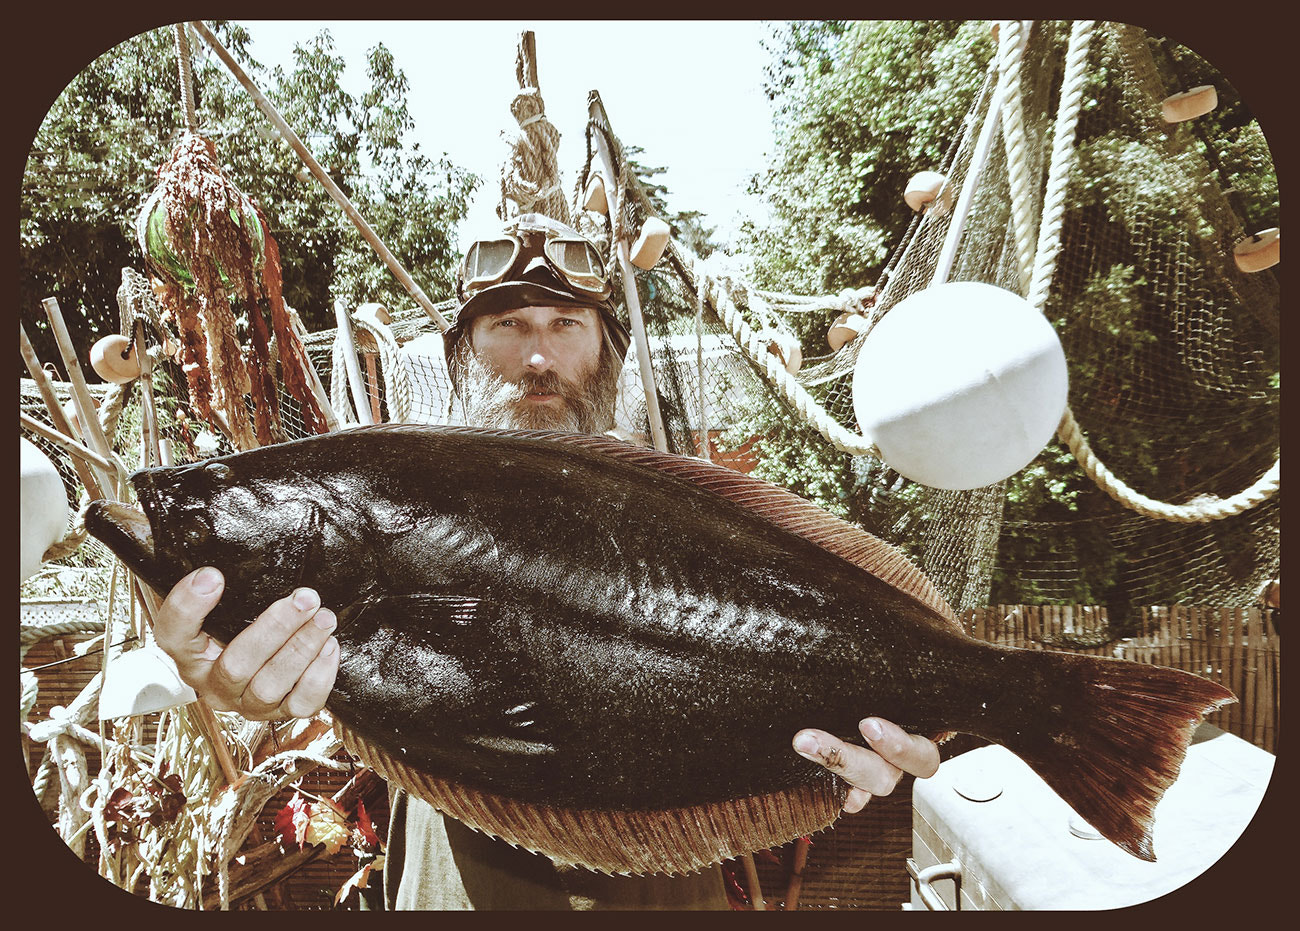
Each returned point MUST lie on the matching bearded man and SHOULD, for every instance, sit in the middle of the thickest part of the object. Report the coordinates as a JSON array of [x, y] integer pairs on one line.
[[536, 346]]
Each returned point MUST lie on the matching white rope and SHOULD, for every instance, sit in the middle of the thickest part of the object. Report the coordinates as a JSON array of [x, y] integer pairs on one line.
[[1200, 510], [1013, 36], [783, 381]]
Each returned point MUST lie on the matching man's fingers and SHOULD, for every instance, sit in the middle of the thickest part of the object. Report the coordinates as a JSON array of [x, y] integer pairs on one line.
[[258, 643], [858, 766], [911, 753], [856, 800], [315, 684], [177, 628], [277, 678]]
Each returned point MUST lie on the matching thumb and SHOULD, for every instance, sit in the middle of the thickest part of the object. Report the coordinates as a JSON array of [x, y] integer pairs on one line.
[[178, 625]]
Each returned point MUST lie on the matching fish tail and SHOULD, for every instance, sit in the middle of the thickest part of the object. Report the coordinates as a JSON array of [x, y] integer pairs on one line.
[[1111, 737]]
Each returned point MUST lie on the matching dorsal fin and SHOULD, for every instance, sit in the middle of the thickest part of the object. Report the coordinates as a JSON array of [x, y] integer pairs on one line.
[[777, 505]]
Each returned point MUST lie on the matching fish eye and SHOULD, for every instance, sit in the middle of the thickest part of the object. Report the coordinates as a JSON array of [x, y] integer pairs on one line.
[[218, 470]]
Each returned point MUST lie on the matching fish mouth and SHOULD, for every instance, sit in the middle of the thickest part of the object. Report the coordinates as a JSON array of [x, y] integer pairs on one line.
[[124, 530]]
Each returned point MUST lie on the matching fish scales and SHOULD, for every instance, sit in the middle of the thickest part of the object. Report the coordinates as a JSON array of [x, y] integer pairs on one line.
[[538, 628]]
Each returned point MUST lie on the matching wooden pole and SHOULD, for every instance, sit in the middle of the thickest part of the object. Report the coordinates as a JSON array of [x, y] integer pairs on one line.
[[751, 880], [65, 443], [350, 363], [322, 176], [796, 873], [149, 427], [85, 405], [55, 410], [596, 112]]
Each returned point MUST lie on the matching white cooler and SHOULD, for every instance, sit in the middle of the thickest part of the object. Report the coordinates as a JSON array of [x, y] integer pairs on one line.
[[1018, 850]]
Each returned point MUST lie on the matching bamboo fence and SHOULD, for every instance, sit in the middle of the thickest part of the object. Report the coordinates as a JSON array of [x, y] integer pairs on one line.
[[1237, 647]]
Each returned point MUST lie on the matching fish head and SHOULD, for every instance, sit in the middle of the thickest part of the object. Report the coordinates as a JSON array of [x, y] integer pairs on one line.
[[257, 527]]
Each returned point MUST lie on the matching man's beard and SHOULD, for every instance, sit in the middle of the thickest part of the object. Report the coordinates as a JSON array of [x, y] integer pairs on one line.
[[492, 402]]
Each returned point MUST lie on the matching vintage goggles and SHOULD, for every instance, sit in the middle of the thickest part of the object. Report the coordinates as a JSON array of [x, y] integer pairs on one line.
[[572, 258]]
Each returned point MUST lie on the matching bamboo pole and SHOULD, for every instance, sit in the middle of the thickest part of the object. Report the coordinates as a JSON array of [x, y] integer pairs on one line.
[[149, 426], [1235, 677], [90, 428], [65, 443], [751, 880], [602, 153], [796, 873], [368, 234], [350, 363], [87, 475]]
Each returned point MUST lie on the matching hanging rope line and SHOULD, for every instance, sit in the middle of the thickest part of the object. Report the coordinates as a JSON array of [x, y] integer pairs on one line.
[[187, 78]]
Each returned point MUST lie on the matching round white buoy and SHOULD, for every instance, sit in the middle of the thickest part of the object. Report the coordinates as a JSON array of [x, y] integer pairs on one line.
[[927, 190], [960, 385], [43, 509], [847, 326], [1259, 251], [113, 359], [784, 346], [1189, 104]]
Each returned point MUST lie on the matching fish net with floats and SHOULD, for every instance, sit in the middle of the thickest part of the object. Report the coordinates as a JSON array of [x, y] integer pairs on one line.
[[1172, 351]]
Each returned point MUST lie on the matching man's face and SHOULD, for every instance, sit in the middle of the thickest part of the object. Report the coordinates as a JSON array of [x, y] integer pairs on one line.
[[539, 368]]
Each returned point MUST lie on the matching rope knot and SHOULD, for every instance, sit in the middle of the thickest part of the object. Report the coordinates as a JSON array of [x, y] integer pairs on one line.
[[61, 721]]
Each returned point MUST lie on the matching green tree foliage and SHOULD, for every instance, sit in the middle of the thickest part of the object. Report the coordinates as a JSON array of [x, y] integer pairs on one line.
[[94, 159]]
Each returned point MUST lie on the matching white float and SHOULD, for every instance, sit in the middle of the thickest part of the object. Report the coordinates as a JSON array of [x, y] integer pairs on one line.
[[142, 681], [848, 326], [1259, 251], [784, 346], [43, 508], [1189, 104], [929, 190], [960, 385], [113, 359], [650, 245]]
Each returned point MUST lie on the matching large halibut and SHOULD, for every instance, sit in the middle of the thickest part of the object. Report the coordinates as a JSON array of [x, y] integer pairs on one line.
[[601, 652]]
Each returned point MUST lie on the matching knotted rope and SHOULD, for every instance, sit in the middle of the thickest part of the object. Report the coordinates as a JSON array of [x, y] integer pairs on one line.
[[531, 175]]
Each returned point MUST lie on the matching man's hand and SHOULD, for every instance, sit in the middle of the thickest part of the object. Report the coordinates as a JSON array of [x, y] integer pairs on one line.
[[875, 771], [281, 665]]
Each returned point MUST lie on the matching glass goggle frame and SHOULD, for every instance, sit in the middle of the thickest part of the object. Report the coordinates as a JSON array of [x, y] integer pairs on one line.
[[490, 261]]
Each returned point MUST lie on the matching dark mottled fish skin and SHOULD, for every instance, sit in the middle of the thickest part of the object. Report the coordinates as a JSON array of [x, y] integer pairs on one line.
[[541, 620]]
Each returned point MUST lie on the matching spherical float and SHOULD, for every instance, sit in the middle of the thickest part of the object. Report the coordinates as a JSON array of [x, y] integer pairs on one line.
[[113, 358], [928, 190], [1189, 104], [151, 234], [848, 326], [960, 385], [1259, 251], [43, 508], [784, 346]]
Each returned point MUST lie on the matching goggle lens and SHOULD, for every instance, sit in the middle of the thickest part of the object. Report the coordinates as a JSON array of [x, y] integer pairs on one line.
[[489, 259], [578, 260]]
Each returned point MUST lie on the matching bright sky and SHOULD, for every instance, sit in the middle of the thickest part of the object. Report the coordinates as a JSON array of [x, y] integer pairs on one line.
[[689, 93]]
